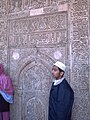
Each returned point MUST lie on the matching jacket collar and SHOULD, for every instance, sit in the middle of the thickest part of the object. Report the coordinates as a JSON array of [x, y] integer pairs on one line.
[[56, 82]]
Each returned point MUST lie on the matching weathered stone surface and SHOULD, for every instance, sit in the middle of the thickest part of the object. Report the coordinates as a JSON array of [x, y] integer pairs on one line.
[[33, 35], [38, 31], [80, 59], [31, 74], [3, 42], [3, 34], [3, 57], [20, 5], [3, 8]]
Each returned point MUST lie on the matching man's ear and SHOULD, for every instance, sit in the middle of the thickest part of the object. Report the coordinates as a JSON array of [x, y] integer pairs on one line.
[[61, 73]]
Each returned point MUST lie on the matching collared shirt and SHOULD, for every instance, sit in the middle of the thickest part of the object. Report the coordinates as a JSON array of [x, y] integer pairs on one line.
[[56, 82]]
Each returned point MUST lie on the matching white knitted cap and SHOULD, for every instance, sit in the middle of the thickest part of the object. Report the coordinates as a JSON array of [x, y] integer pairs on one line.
[[60, 65]]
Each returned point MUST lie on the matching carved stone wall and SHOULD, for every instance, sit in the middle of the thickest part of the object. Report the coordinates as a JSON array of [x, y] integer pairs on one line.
[[80, 58], [3, 34], [34, 44], [33, 35]]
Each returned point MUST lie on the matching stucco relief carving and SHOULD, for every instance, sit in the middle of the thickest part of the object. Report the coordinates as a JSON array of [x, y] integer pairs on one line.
[[16, 107], [45, 38], [42, 23], [20, 5], [33, 107], [3, 8], [30, 56], [14, 6], [3, 57], [38, 31], [35, 81], [32, 76], [3, 37], [80, 59]]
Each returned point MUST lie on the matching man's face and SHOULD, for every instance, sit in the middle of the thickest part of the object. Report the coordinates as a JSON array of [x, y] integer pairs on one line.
[[55, 72]]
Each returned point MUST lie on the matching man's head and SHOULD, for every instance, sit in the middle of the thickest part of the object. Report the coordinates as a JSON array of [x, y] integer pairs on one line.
[[58, 70]]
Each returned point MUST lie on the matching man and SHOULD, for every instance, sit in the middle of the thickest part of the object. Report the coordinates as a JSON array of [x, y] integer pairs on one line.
[[61, 95]]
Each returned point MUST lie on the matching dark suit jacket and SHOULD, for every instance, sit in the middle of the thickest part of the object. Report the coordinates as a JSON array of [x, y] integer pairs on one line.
[[61, 101]]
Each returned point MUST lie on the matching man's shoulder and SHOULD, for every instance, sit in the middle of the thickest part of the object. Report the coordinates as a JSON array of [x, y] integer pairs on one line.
[[67, 86]]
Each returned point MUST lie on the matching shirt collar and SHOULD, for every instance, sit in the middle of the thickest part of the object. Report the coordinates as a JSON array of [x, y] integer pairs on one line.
[[56, 82]]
